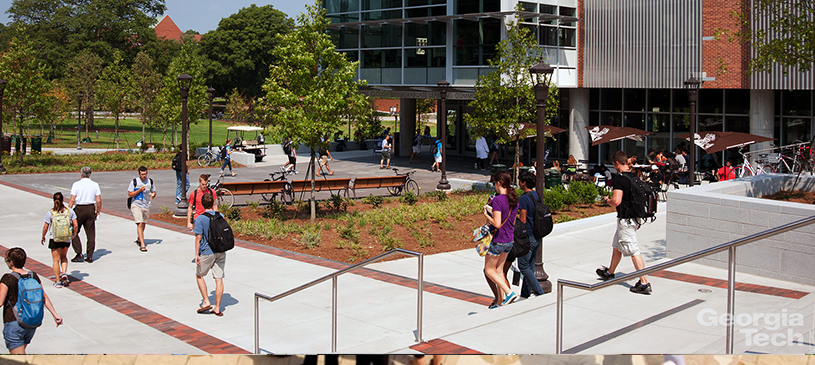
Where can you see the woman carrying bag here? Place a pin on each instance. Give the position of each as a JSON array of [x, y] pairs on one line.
[[504, 210]]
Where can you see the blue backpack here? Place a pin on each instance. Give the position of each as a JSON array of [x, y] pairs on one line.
[[30, 301]]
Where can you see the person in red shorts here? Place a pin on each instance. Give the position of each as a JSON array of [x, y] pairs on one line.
[[195, 199]]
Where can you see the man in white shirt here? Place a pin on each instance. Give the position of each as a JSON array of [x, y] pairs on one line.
[[141, 191], [482, 150], [86, 201]]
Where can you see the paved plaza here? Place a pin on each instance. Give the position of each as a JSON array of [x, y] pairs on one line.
[[129, 302]]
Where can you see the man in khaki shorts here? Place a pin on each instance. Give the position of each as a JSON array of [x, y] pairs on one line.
[[624, 242], [141, 191], [206, 259]]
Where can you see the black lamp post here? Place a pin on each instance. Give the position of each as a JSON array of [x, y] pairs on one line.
[[79, 120], [211, 92], [443, 86], [2, 88], [541, 75], [692, 85], [184, 82]]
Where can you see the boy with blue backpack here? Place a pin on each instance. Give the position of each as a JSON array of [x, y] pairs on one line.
[[23, 301]]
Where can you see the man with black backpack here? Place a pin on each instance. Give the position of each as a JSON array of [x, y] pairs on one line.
[[23, 301], [629, 219], [177, 161], [526, 213], [208, 255]]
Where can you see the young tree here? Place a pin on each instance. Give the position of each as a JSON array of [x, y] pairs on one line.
[[505, 98], [59, 106], [424, 107], [146, 83], [307, 90], [168, 101], [239, 108], [114, 87], [26, 93], [85, 69]]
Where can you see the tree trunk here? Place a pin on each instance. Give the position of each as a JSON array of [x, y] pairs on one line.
[[313, 183], [22, 146], [517, 158], [142, 126], [116, 130]]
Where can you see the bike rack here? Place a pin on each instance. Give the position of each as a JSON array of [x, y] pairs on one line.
[[731, 276], [333, 277]]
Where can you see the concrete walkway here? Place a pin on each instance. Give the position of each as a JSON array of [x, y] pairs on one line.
[[130, 302]]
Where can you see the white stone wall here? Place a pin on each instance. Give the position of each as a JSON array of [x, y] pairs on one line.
[[709, 215]]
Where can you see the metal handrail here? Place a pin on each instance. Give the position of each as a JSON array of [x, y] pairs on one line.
[[731, 276], [334, 276]]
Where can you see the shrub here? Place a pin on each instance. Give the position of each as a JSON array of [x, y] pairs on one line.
[[253, 204], [389, 243], [554, 199], [275, 209], [374, 200], [583, 192], [349, 232], [438, 194], [223, 207], [233, 214], [310, 238], [409, 198], [338, 203]]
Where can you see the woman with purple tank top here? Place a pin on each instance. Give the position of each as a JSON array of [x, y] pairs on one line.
[[504, 209]]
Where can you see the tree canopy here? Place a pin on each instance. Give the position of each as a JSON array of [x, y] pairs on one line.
[[240, 49]]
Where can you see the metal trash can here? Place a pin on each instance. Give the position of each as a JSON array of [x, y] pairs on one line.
[[36, 144], [553, 179], [16, 140], [5, 145]]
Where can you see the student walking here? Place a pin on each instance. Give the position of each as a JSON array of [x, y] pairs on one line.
[[324, 156], [502, 218], [206, 260], [526, 213], [196, 208], [482, 151], [141, 191], [177, 161], [226, 155], [62, 221], [417, 145], [624, 242], [291, 150], [386, 153], [436, 166], [16, 336], [86, 201]]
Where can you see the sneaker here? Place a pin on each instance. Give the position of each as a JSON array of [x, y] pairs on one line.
[[476, 165], [493, 306], [603, 273], [58, 285], [78, 258], [639, 288], [509, 298], [64, 280]]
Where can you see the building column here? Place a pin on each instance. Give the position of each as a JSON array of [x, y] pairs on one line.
[[579, 141], [762, 122], [407, 125]]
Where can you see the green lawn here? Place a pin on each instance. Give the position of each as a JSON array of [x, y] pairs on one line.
[[130, 133]]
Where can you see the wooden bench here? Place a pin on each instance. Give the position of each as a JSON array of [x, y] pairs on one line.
[[254, 187], [376, 182], [340, 184]]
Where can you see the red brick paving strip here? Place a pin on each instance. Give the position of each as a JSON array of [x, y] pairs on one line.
[[166, 325], [718, 283], [442, 347]]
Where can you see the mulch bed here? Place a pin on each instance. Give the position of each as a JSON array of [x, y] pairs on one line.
[[798, 196]]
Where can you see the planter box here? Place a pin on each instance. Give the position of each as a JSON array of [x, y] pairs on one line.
[[708, 215]]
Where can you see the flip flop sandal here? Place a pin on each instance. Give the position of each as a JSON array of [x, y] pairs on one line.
[[143, 249], [204, 309], [219, 314]]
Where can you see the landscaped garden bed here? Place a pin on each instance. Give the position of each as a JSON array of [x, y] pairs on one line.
[[798, 196], [108, 161], [356, 230]]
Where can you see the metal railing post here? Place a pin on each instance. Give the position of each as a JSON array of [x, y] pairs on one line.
[[731, 291], [559, 321], [257, 327], [334, 314], [419, 310]]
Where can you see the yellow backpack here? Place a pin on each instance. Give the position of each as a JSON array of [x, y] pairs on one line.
[[61, 225]]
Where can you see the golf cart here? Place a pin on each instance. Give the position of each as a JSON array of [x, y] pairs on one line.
[[256, 145]]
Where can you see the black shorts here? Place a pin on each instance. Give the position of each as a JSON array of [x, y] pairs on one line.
[[55, 245], [292, 160]]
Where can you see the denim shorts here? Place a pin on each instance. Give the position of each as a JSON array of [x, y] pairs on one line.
[[497, 248], [17, 336]]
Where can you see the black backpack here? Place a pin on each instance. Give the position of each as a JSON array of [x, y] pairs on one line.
[[286, 146], [542, 217], [435, 148], [642, 202], [221, 238], [521, 245], [177, 161], [223, 152], [416, 140], [129, 199]]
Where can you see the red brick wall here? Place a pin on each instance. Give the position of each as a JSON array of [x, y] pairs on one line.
[[581, 34], [736, 55]]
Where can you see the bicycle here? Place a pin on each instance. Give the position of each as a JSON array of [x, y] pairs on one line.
[[747, 169], [782, 163], [287, 195], [209, 158], [223, 195], [409, 185]]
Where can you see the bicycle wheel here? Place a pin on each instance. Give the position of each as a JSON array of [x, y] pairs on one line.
[[225, 197], [267, 197], [742, 171], [767, 169], [412, 187], [395, 190], [287, 196], [202, 160]]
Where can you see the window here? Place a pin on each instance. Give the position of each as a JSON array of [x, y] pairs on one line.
[[797, 102], [659, 100], [341, 6], [567, 37], [710, 101], [385, 36], [380, 4], [430, 34]]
